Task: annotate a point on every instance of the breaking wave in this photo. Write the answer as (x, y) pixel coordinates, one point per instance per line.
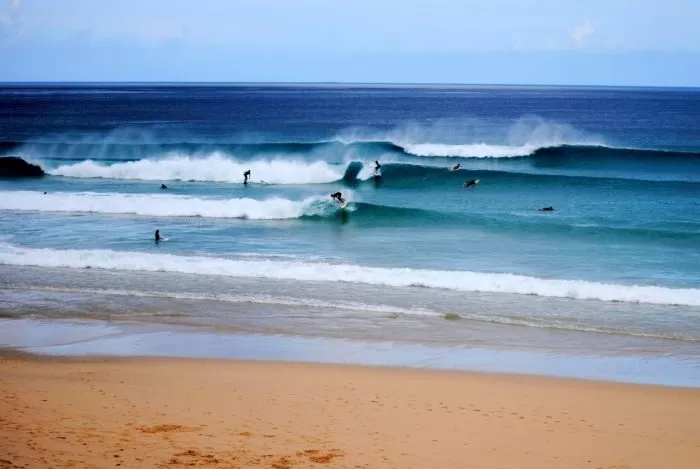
(328, 272)
(161, 205)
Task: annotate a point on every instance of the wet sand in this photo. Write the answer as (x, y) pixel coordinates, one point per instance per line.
(171, 413)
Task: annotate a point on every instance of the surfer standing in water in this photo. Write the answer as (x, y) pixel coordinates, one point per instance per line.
(246, 176)
(339, 197)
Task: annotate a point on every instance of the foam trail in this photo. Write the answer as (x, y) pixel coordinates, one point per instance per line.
(326, 272)
(214, 167)
(162, 205)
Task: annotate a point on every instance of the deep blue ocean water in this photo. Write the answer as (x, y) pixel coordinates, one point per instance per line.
(621, 167)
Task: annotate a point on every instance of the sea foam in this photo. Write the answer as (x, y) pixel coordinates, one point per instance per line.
(216, 167)
(166, 205)
(329, 272)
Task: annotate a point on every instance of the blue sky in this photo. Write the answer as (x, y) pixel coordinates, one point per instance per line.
(592, 42)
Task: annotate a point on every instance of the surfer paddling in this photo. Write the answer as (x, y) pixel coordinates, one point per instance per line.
(456, 167)
(546, 209)
(163, 187)
(246, 176)
(471, 183)
(339, 197)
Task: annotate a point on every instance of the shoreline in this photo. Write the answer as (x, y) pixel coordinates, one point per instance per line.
(8, 354)
(174, 412)
(72, 338)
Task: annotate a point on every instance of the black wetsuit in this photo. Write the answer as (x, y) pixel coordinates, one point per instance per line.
(246, 176)
(158, 238)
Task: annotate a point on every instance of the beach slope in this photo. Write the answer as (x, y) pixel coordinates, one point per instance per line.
(177, 413)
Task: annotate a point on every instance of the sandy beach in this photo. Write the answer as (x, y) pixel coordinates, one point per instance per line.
(170, 413)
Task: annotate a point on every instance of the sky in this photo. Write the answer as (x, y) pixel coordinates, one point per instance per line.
(565, 42)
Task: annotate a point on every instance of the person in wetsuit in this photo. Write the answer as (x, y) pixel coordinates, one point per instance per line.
(377, 167)
(470, 183)
(246, 176)
(456, 167)
(339, 197)
(546, 209)
(157, 236)
(163, 186)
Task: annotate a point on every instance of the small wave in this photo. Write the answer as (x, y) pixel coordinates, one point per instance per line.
(252, 299)
(326, 272)
(215, 167)
(162, 205)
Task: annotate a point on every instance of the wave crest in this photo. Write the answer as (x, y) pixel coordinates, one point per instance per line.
(476, 150)
(215, 167)
(326, 272)
(162, 205)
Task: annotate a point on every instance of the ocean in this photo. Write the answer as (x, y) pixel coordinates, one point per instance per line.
(415, 258)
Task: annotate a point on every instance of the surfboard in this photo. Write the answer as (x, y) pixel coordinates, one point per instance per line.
(344, 204)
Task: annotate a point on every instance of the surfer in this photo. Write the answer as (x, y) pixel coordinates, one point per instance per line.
(473, 182)
(246, 176)
(377, 167)
(163, 187)
(339, 197)
(546, 209)
(456, 167)
(158, 237)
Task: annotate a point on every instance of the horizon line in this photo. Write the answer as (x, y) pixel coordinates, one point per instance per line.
(338, 83)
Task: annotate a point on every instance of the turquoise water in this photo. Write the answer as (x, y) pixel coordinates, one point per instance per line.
(619, 254)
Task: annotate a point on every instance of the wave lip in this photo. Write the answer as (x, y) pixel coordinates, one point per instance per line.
(327, 272)
(472, 150)
(162, 205)
(214, 168)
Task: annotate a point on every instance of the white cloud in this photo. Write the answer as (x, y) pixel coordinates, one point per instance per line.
(582, 31)
(14, 4)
